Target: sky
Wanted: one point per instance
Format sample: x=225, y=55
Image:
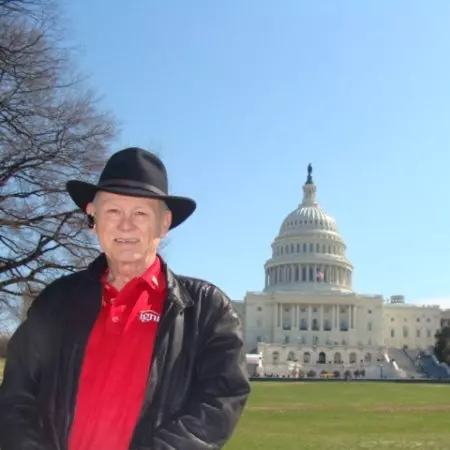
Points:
x=238, y=97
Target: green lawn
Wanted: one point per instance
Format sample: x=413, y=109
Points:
x=343, y=416
x=347, y=415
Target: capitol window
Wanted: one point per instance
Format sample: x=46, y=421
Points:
x=307, y=358
x=392, y=333
x=352, y=358
x=418, y=333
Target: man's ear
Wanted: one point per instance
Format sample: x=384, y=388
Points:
x=90, y=215
x=90, y=209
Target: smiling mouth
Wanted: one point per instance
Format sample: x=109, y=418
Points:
x=126, y=241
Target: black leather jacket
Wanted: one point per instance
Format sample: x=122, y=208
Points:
x=197, y=387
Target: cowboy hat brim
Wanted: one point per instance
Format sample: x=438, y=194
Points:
x=83, y=193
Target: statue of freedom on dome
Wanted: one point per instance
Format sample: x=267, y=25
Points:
x=309, y=179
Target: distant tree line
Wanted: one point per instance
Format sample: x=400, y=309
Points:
x=442, y=346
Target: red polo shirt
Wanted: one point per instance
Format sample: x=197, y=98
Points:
x=116, y=363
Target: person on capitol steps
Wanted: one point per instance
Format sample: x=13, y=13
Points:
x=126, y=354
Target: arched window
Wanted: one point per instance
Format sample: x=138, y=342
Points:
x=307, y=357
x=291, y=356
x=322, y=358
x=352, y=358
x=337, y=358
x=368, y=357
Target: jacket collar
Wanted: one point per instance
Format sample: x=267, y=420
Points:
x=176, y=292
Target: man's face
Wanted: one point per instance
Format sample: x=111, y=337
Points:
x=129, y=229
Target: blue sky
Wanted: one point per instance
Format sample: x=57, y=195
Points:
x=239, y=96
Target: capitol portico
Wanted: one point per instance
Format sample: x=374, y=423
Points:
x=308, y=312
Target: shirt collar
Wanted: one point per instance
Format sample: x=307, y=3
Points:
x=154, y=276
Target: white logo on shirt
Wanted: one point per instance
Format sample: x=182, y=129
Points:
x=149, y=316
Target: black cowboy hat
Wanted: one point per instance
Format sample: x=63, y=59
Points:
x=137, y=173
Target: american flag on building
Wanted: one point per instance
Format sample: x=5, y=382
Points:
x=320, y=276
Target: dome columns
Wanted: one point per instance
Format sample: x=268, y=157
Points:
x=311, y=273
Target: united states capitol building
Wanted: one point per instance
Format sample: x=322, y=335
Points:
x=308, y=316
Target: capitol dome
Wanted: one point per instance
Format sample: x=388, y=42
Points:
x=309, y=253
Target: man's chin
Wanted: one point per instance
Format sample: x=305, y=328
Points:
x=127, y=257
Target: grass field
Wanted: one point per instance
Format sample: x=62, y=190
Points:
x=347, y=415
x=343, y=416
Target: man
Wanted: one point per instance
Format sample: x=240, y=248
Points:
x=126, y=354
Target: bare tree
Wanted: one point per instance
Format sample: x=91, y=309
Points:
x=51, y=130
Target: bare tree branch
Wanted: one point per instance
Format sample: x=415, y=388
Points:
x=51, y=130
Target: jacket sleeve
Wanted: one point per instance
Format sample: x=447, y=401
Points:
x=220, y=391
x=19, y=419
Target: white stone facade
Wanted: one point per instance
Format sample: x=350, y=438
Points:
x=308, y=312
